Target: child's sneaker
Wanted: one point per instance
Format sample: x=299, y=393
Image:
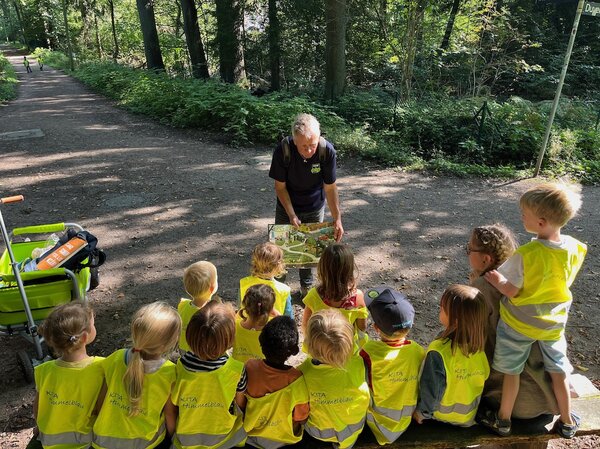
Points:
x=491, y=421
x=568, y=430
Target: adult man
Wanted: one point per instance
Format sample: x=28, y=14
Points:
x=304, y=179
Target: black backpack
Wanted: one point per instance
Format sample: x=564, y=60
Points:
x=89, y=257
x=287, y=151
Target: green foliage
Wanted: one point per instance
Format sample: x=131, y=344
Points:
x=8, y=80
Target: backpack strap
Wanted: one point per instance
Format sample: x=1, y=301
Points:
x=287, y=152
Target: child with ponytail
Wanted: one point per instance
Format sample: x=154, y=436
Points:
x=257, y=309
x=138, y=382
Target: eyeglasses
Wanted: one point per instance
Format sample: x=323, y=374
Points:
x=470, y=250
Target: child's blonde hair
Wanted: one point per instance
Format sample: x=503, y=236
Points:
x=258, y=303
x=330, y=338
x=495, y=240
x=267, y=261
x=555, y=202
x=336, y=272
x=155, y=330
x=211, y=330
x=64, y=328
x=199, y=277
x=467, y=314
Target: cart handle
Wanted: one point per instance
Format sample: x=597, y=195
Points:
x=12, y=199
x=40, y=229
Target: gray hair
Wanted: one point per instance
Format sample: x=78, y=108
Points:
x=306, y=125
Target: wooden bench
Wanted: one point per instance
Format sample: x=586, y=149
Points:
x=530, y=433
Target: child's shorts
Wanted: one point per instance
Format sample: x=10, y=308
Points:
x=513, y=348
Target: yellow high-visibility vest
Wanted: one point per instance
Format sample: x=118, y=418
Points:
x=282, y=291
x=204, y=399
x=541, y=308
x=268, y=420
x=67, y=398
x=395, y=387
x=465, y=376
x=246, y=345
x=114, y=428
x=186, y=309
x=339, y=399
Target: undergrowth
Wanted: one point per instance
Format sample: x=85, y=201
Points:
x=440, y=133
x=8, y=80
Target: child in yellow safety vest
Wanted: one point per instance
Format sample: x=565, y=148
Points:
x=201, y=283
x=68, y=387
x=138, y=382
x=277, y=396
x=336, y=289
x=335, y=377
x=267, y=264
x=257, y=309
x=455, y=366
x=392, y=364
x=209, y=393
x=535, y=282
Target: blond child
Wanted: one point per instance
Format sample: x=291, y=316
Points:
x=536, y=282
x=277, y=397
x=68, y=387
x=335, y=377
x=336, y=288
x=209, y=392
x=257, y=309
x=138, y=382
x=392, y=364
x=201, y=283
x=267, y=264
x=455, y=366
x=489, y=247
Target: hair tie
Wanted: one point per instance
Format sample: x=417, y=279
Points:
x=72, y=338
x=136, y=350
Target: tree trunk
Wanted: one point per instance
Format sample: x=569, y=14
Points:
x=415, y=13
x=274, y=32
x=68, y=36
x=97, y=36
x=154, y=60
x=229, y=39
x=336, y=18
x=450, y=25
x=111, y=5
x=194, y=40
x=11, y=33
x=21, y=24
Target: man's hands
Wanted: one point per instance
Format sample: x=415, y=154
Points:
x=338, y=229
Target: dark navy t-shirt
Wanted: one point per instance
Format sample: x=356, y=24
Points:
x=304, y=178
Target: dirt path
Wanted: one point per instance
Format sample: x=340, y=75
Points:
x=160, y=198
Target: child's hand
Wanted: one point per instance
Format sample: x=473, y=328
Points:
x=274, y=313
x=495, y=278
x=418, y=417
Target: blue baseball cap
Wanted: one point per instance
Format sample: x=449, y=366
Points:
x=391, y=311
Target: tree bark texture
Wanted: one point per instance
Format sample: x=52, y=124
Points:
x=336, y=18
x=416, y=9
x=274, y=36
x=111, y=6
x=194, y=40
x=154, y=60
x=229, y=39
x=450, y=25
x=11, y=32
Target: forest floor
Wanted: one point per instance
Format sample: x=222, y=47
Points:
x=160, y=198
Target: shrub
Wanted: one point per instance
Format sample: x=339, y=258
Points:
x=8, y=80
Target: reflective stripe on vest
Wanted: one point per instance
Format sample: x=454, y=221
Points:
x=264, y=443
x=375, y=427
x=71, y=438
x=209, y=440
x=541, y=308
x=395, y=414
x=465, y=377
x=339, y=435
x=130, y=443
x=281, y=290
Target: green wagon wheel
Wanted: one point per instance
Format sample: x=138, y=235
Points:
x=26, y=365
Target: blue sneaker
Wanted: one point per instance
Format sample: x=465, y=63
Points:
x=499, y=426
x=568, y=430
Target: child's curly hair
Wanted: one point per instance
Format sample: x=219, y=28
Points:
x=267, y=261
x=495, y=240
